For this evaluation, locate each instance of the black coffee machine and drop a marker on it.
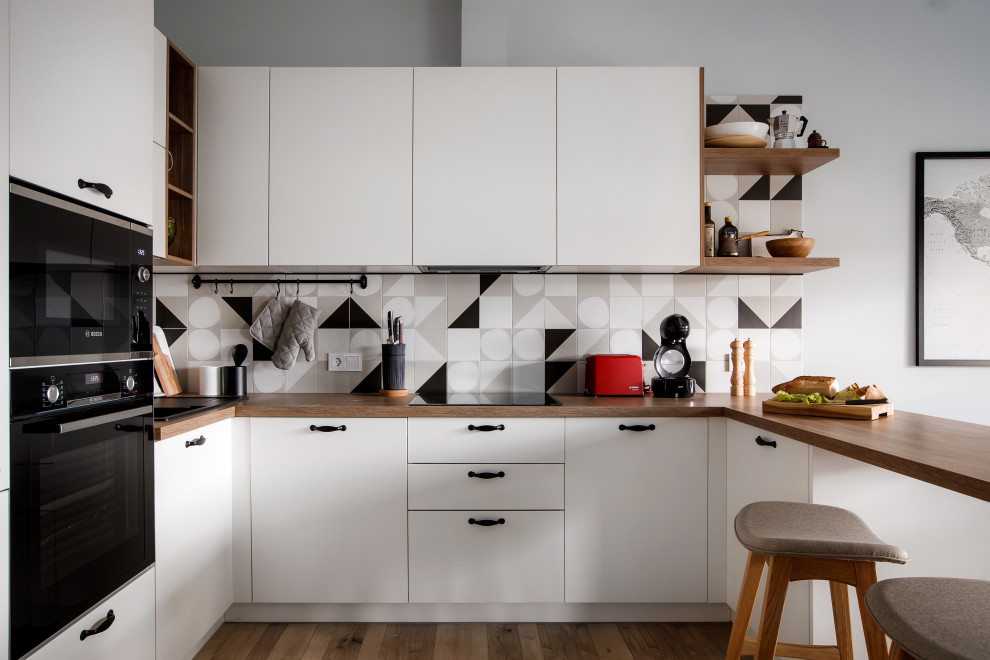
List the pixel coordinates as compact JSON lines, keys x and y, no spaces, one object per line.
{"x":672,"y":360}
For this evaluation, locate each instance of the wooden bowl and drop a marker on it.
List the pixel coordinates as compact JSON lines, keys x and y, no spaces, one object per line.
{"x":790,"y":247}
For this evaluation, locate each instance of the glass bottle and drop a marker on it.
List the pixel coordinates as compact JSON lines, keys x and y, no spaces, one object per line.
{"x":709,"y":231}
{"x":727,"y":244}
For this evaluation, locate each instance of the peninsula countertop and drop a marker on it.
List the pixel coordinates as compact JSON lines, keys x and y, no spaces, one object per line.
{"x":946,"y":453}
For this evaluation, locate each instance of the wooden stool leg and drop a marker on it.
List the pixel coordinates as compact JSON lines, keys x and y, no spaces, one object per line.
{"x":744,"y":608}
{"x":778,"y":577}
{"x":897,"y":653}
{"x":876,"y":641}
{"x":842,"y":619}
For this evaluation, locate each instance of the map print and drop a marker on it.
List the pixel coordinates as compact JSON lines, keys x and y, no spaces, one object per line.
{"x":968,"y":211}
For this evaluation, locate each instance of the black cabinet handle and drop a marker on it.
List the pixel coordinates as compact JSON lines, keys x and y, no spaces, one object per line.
{"x":486,"y":523}
{"x":101,"y":626}
{"x":201,"y":440}
{"x":327,"y":429}
{"x":99,"y":187}
{"x":486,"y":475}
{"x":637,"y":427}
{"x":128,"y":428}
{"x":766,"y":443}
{"x":486,"y":427}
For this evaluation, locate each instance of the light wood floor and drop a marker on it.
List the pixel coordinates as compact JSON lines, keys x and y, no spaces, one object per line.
{"x":463,"y":641}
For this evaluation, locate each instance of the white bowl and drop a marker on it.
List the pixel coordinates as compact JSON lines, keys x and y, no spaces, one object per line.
{"x":748,"y":128}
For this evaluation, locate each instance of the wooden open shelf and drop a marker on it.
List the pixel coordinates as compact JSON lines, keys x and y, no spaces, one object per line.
{"x":180,"y":183}
{"x":764,"y":265}
{"x":765,"y":161}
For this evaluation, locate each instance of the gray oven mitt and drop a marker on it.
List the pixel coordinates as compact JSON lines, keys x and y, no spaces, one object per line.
{"x":296,"y":333}
{"x":268,"y":326}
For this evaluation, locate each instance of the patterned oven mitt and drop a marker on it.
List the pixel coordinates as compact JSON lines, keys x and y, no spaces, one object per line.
{"x":296,"y":333}
{"x":267,"y":328}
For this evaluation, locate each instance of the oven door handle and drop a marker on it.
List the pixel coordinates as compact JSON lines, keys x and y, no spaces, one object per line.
{"x":88,"y":422}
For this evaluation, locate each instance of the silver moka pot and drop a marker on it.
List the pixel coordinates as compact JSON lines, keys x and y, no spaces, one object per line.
{"x":784,"y":129}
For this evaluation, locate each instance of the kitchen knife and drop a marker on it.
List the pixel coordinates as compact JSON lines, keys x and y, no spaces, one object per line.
{"x":865,"y":402}
{"x":390,"y":328}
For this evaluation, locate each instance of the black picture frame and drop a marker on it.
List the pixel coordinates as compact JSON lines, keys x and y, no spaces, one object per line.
{"x":929,"y":165}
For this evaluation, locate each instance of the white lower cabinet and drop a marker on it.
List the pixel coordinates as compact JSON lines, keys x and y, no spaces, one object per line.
{"x":131,"y":633}
{"x":764,"y":466}
{"x":193,"y":537}
{"x":4,"y":574}
{"x":504,"y":556}
{"x":636,"y":510}
{"x":328,"y":510}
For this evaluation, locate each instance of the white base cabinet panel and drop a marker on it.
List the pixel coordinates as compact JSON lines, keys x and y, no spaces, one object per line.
{"x":628,"y":170}
{"x":637,"y":511}
{"x":502,"y":486}
{"x":757,"y":473}
{"x":5,"y":574}
{"x":130,"y":636}
{"x":193,"y":536}
{"x":484,"y":164}
{"x":328,"y":511}
{"x":81,"y":76}
{"x":454,"y":561}
{"x":491,"y":440}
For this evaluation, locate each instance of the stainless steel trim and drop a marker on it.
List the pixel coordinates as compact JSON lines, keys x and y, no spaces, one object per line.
{"x":89,"y":422}
{"x":85,"y":401}
{"x":88,"y":358}
{"x":78,"y":208}
{"x":482,"y":269}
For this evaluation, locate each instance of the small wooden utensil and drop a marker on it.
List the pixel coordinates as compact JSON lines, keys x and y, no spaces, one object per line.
{"x":759,"y":233}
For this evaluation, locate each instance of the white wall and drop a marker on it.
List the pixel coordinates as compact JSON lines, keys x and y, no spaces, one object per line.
{"x":881,"y":80}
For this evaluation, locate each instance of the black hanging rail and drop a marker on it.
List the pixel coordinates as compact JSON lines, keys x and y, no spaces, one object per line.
{"x":280,"y":278}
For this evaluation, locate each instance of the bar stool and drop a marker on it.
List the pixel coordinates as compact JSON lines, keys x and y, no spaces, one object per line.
{"x":933,"y":618}
{"x":806,"y":542}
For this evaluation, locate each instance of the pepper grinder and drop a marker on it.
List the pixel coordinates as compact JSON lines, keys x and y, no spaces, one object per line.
{"x":736,"y":379}
{"x":749,"y":378}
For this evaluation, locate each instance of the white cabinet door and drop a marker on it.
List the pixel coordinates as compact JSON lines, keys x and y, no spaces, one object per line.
{"x":341,"y":167}
{"x":80,"y":99}
{"x":628,"y":170}
{"x":636,"y":507}
{"x":5,"y":573}
{"x":516,"y":561}
{"x":761,"y":472}
{"x":131,"y":635}
{"x":328,"y":511}
{"x":232,"y":152}
{"x":484,"y":167}
{"x":193,"y":515}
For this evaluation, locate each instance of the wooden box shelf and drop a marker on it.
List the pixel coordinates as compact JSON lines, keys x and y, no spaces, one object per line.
{"x":765,"y":161}
{"x":764,"y":265}
{"x":180,"y":181}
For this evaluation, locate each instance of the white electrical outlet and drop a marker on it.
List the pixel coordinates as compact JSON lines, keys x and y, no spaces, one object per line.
{"x":344,"y":362}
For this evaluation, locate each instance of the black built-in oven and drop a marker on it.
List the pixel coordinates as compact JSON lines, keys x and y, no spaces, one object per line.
{"x":81,"y":491}
{"x":80,"y":282}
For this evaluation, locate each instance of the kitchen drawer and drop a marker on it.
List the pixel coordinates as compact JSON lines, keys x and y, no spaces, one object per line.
{"x":451,"y":486}
{"x":519,"y":561}
{"x":452,"y":440}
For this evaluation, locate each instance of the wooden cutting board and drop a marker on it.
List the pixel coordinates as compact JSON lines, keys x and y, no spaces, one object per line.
{"x":164,"y":370}
{"x":870,"y":412}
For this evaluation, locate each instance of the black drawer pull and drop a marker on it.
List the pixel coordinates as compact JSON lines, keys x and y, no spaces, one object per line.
{"x":99,"y":187}
{"x":327,"y":429}
{"x":766,"y":443}
{"x":486,"y":475}
{"x":101,"y":626}
{"x":486,"y":523}
{"x":637,"y":427}
{"x":486,"y":427}
{"x":198,"y":442}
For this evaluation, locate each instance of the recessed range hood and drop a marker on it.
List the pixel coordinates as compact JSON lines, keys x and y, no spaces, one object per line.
{"x":470,"y":270}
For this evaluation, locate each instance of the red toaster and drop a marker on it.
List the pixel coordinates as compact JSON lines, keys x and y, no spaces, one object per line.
{"x":614,"y":375}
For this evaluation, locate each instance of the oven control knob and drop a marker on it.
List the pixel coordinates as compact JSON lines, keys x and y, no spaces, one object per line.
{"x":129,"y":383}
{"x":143,"y":274}
{"x":52,"y":393}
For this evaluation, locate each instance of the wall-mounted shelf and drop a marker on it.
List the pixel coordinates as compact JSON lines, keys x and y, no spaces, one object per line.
{"x":180,"y":187}
{"x":764,"y":265}
{"x":765,"y":161}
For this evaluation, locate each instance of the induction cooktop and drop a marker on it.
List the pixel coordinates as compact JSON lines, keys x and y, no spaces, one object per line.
{"x":486,"y":399}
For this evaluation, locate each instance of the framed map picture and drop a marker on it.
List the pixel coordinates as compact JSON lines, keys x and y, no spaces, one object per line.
{"x":952,"y":203}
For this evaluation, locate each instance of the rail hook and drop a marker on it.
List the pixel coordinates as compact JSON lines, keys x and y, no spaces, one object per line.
{"x":231,"y":287}
{"x":297,"y":288}
{"x":216,"y":287}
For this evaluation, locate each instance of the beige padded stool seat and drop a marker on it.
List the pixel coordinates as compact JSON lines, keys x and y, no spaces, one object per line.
{"x":933,"y":618}
{"x":806,"y":542}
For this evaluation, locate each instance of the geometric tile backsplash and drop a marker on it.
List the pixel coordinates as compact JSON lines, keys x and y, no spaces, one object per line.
{"x":471,"y":333}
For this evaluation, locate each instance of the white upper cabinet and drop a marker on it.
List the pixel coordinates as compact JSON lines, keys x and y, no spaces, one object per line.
{"x":341,"y":167}
{"x":484,"y":167}
{"x":232,"y":188}
{"x":628,"y":170}
{"x":159,"y":128}
{"x":81,"y":99}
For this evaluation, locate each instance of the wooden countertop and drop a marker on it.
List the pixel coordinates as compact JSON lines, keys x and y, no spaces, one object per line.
{"x":946,"y":453}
